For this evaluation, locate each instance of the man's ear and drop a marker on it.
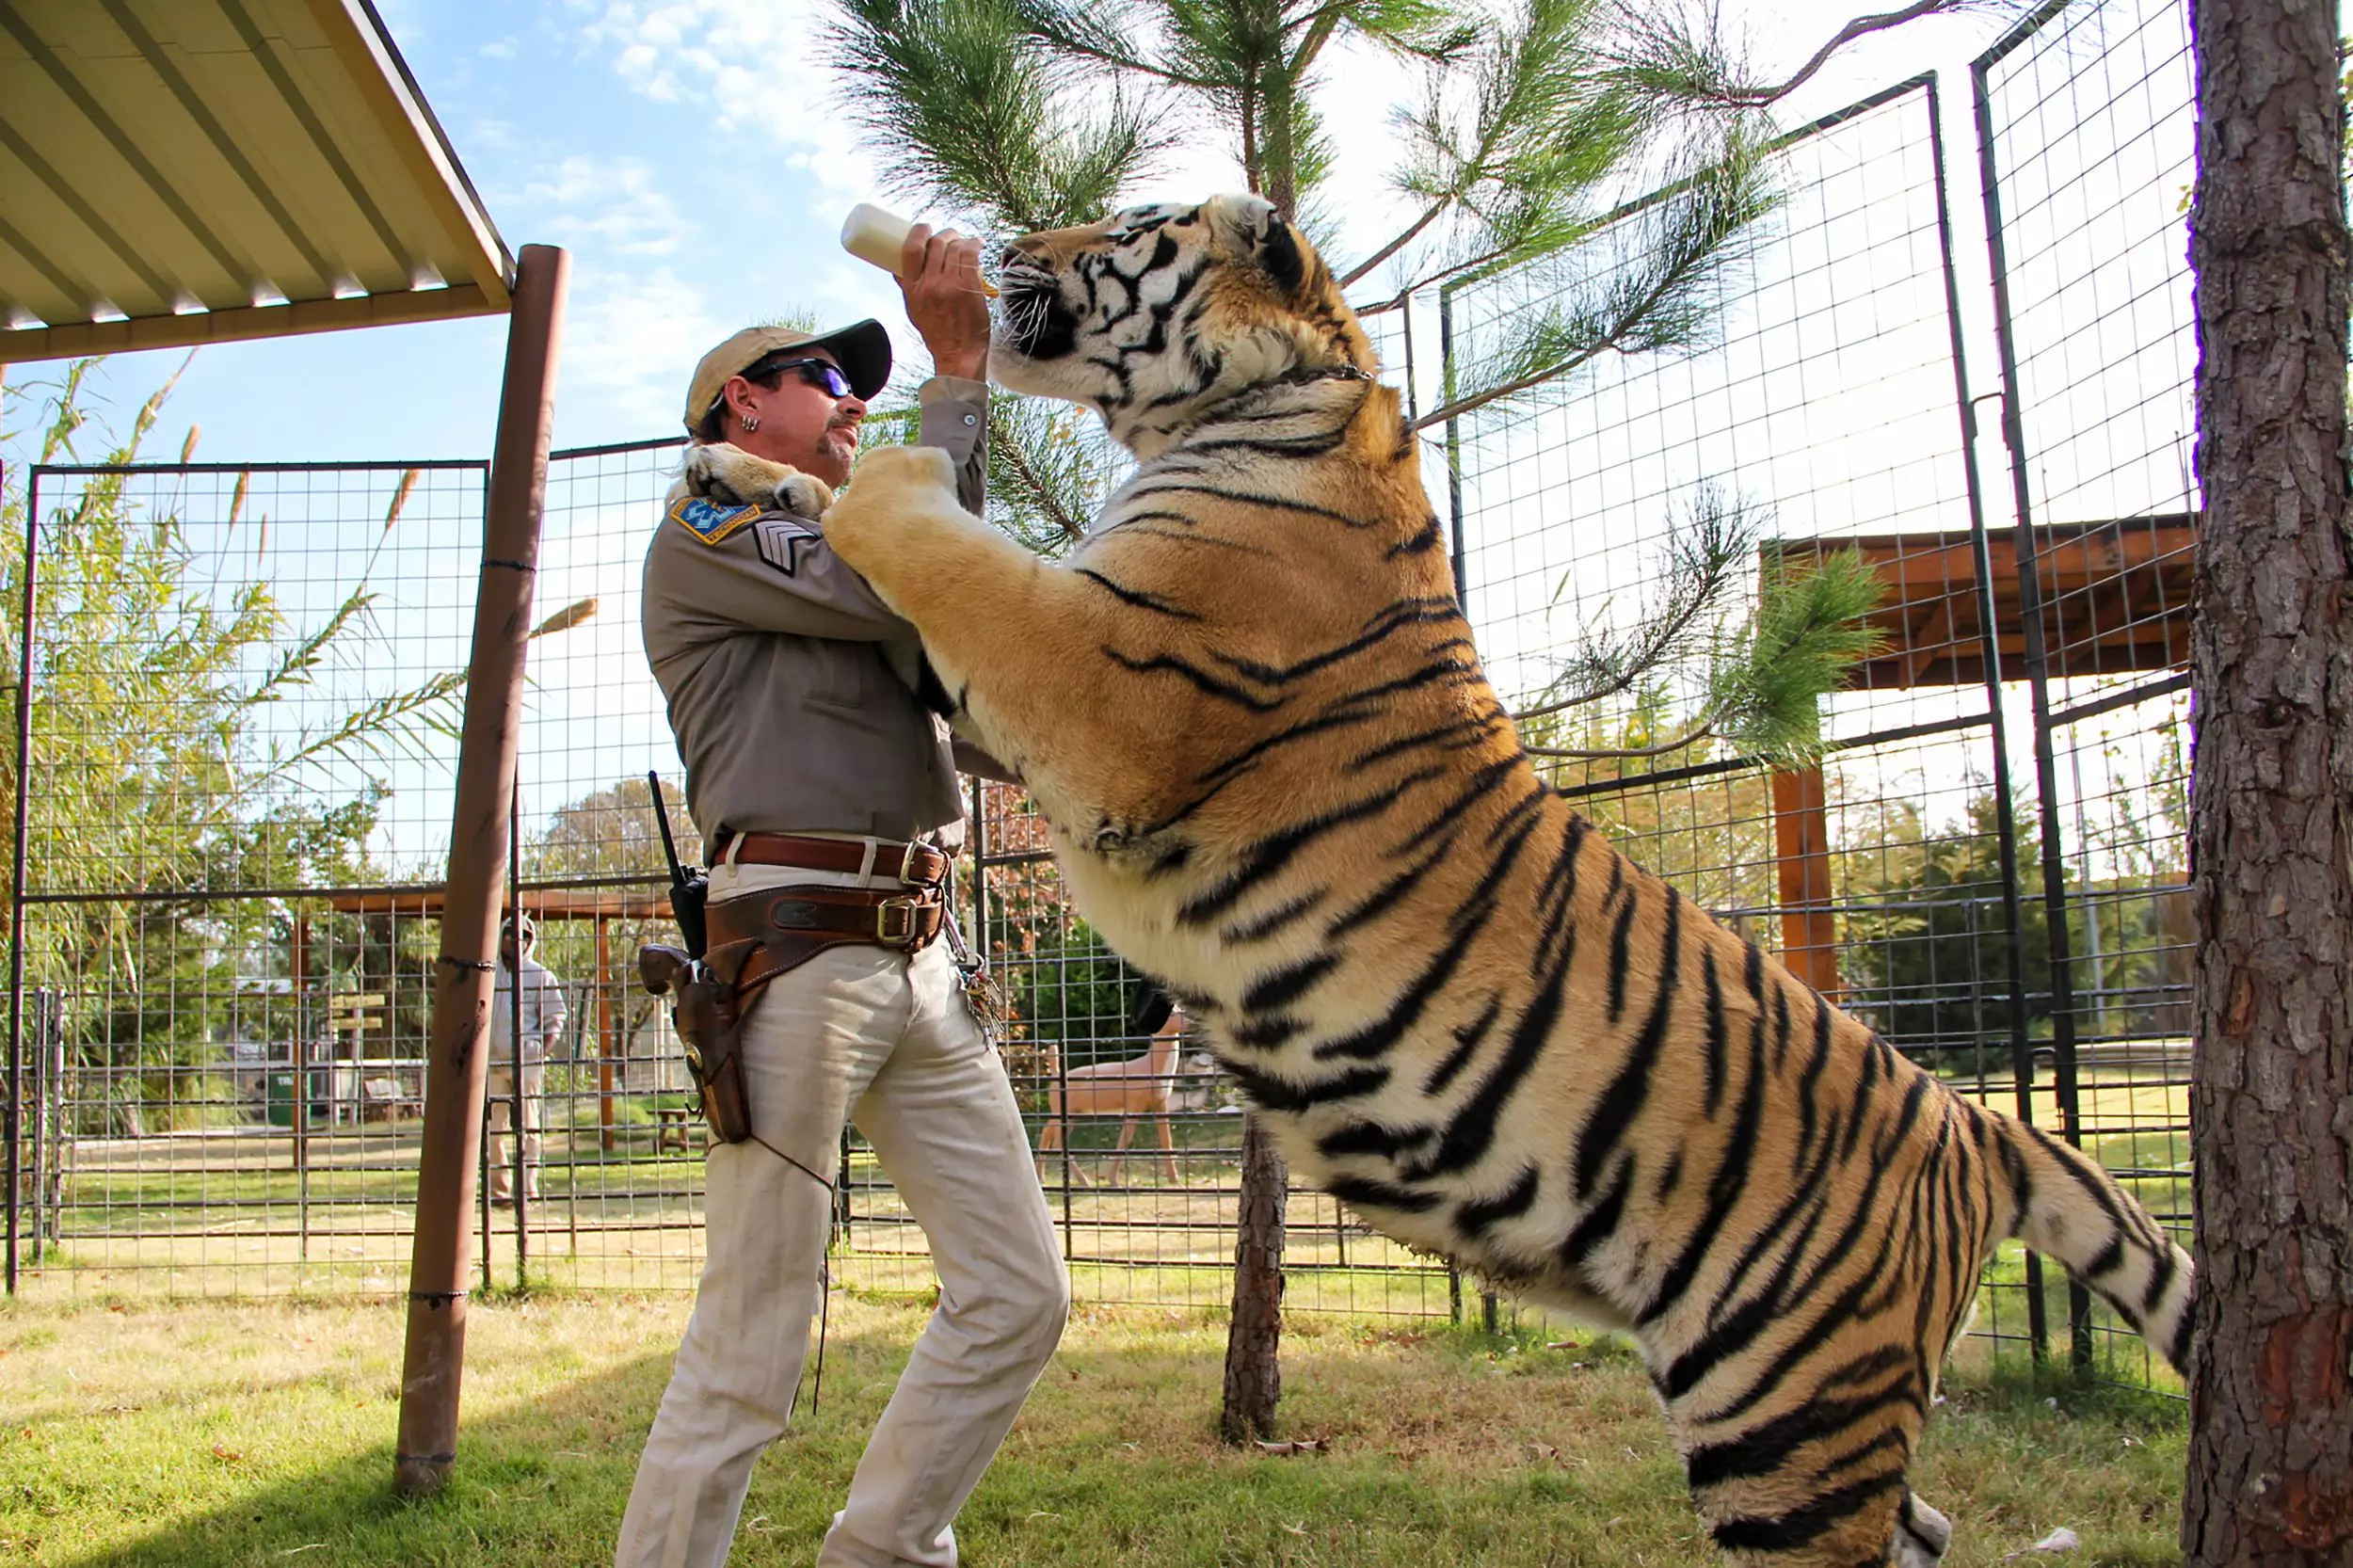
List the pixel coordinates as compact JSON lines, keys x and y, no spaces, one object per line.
{"x":1255,"y":229}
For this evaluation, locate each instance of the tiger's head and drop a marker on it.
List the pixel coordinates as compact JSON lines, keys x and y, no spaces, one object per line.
{"x":1158,"y":314}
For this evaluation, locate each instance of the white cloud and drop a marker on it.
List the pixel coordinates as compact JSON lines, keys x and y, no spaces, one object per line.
{"x":639,"y":314}
{"x":632,"y":340}
{"x":755,"y":69}
{"x":622,"y":204}
{"x":503,"y":49}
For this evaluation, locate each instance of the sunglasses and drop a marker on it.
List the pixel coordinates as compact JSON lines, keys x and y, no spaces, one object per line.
{"x":823,"y":374}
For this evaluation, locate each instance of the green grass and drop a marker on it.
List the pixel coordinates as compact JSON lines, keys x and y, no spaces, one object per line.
{"x":203,"y":1434}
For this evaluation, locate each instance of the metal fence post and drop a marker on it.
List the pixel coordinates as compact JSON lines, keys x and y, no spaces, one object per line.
{"x":1453,"y":450}
{"x":24,"y":838}
{"x":433,"y":1363}
{"x":2038,"y":665}
{"x":1989,"y":649}
{"x":521,"y":1141}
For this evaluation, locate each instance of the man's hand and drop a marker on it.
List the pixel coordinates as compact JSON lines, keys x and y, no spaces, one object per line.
{"x":940,"y":276}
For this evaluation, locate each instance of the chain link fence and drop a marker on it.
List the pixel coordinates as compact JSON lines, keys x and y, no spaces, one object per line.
{"x":233,"y":773}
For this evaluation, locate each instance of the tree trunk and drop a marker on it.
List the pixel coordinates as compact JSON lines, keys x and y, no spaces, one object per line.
{"x":1254,"y":1375}
{"x":2271,"y":1108}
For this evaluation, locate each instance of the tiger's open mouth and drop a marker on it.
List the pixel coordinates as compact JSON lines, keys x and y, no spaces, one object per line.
{"x":1031,"y":320}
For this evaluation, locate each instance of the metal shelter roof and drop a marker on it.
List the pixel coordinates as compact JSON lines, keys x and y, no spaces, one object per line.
{"x":176,"y":173}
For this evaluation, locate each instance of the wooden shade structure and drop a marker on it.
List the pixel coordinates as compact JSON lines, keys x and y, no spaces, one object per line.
{"x":2116,"y":597}
{"x":175,"y":172}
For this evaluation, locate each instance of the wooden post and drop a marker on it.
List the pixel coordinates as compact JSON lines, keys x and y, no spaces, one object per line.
{"x":1254,"y":1340}
{"x":1809,"y":934}
{"x":606,"y":1038}
{"x":435,"y":1356}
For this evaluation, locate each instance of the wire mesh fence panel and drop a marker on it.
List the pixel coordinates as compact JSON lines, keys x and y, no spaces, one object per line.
{"x":1826,"y":422}
{"x":2087,"y":117}
{"x":245,"y":681}
{"x":618,"y":1199}
{"x":244,"y":687}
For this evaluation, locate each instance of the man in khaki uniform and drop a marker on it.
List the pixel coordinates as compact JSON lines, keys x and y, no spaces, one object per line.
{"x":812,"y":764}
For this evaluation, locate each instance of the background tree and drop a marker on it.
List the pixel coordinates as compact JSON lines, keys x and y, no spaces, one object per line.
{"x":2271,"y":814}
{"x":1538,"y":120}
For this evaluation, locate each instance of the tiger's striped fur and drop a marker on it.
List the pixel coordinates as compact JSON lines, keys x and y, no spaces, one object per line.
{"x":1277,"y":779}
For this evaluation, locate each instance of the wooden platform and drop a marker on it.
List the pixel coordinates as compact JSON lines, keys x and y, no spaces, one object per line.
{"x":2116,"y":597}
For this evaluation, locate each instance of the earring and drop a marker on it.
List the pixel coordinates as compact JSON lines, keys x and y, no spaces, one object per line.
{"x":749,"y":422}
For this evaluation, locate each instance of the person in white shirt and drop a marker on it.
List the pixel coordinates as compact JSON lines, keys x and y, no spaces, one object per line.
{"x":543,"y":1014}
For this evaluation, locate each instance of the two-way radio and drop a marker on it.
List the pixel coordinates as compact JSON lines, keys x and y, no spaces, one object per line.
{"x":689,"y":888}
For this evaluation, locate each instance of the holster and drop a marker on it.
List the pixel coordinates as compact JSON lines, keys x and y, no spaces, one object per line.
{"x":709,"y":1020}
{"x":756,"y":939}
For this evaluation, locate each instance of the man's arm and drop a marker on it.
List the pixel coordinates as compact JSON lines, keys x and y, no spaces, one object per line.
{"x":940,"y":277}
{"x":955,"y":420}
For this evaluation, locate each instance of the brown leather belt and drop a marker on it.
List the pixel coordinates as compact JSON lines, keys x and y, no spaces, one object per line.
{"x":915,"y":865}
{"x":791,"y":925}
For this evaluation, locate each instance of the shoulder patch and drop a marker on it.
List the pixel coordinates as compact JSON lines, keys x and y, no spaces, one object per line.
{"x":707,"y":520}
{"x":782,"y":541}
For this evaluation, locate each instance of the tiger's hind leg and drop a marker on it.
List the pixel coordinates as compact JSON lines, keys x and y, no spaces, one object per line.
{"x":1800,"y":1462}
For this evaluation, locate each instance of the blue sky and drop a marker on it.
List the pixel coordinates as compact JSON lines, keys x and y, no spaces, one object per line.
{"x":692,"y":158}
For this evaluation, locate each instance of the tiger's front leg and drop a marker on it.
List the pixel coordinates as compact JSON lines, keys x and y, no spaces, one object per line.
{"x":1013,"y":639}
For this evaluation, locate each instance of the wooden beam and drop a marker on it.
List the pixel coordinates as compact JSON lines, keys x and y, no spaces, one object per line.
{"x":1809,"y":932}
{"x":75,"y":340}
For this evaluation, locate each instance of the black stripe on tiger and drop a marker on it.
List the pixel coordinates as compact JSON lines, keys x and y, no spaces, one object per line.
{"x":1277,"y":1093}
{"x":1378,"y":630}
{"x":1195,"y":676}
{"x":1382,"y":899}
{"x":1477,"y":1216}
{"x":1366,"y":1192}
{"x":1247,"y":498}
{"x":1372,"y":1138}
{"x":1732,"y":1165}
{"x":1801,"y":1526}
{"x":1614,"y":1112}
{"x":1138,"y":598}
{"x":1472,"y":1129}
{"x":1269,"y":854}
{"x":1466,"y":1038}
{"x":1761,"y":1450}
{"x":1379,"y":1037}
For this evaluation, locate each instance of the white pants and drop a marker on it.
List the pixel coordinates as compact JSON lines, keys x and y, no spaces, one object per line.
{"x":498,"y":1088}
{"x":867,"y":1031}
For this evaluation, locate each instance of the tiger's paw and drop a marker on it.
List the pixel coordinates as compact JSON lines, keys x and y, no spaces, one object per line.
{"x":733,"y":477}
{"x":1922,"y":1535}
{"x":893,"y":491}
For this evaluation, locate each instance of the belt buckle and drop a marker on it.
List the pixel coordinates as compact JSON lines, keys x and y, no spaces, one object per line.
{"x":906,"y":908}
{"x":907,"y":867}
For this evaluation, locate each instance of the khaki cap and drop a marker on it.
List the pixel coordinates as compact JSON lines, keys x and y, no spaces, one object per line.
{"x":861,"y":349}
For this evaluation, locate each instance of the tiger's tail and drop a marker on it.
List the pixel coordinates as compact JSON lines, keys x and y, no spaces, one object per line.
{"x":2071,"y":1209}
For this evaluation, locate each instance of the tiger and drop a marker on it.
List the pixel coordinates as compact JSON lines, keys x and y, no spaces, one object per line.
{"x":1248,"y":707}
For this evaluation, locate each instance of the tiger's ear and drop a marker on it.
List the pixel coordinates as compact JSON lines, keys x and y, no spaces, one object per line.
{"x":1256,"y":230}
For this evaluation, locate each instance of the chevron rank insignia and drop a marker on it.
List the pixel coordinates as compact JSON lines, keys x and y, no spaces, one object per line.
{"x":707,"y":520}
{"x":782,"y":541}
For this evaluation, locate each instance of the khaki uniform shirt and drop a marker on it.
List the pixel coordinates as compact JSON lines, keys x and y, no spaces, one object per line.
{"x":789,"y":684}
